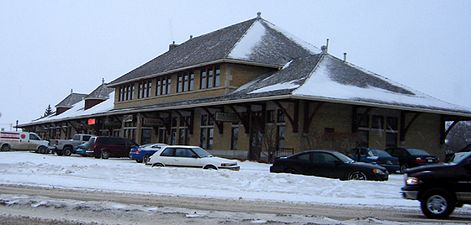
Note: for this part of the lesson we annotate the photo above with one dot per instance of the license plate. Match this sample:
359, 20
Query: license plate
430, 160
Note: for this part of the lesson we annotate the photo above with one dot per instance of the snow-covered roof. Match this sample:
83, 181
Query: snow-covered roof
71, 100
322, 77
77, 111
254, 41
101, 92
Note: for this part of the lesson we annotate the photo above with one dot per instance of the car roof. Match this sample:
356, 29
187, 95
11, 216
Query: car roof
182, 146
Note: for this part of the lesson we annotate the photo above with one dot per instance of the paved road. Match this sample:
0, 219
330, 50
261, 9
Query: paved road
341, 213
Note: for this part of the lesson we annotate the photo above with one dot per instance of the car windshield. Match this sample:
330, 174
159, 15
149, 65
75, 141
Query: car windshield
416, 152
343, 157
201, 152
460, 156
380, 153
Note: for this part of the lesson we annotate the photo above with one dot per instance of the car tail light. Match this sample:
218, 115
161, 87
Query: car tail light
138, 151
419, 160
93, 147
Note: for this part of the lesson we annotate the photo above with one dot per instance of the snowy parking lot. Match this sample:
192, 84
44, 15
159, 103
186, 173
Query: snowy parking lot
252, 182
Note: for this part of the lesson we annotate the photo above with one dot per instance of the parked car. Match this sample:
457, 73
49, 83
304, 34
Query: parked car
440, 187
105, 147
17, 140
412, 157
190, 156
142, 153
67, 147
331, 164
376, 156
450, 154
84, 149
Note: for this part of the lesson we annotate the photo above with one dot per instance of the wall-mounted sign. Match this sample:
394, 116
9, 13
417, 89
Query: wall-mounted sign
152, 122
128, 118
91, 121
226, 117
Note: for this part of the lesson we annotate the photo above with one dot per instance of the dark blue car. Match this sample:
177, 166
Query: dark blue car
142, 153
376, 156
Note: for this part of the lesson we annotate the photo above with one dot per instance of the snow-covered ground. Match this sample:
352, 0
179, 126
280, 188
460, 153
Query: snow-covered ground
252, 182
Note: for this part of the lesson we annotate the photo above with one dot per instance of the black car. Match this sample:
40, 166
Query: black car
376, 156
331, 164
440, 187
412, 157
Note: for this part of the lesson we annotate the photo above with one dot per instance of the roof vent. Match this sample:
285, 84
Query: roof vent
259, 15
324, 49
71, 91
191, 36
345, 57
102, 80
172, 46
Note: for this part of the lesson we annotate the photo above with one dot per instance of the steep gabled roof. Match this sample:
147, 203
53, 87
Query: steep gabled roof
254, 41
71, 99
101, 92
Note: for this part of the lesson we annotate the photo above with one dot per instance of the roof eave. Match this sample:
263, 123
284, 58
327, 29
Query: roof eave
380, 105
228, 60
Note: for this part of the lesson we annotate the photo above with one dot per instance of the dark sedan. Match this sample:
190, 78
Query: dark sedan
376, 156
412, 157
331, 164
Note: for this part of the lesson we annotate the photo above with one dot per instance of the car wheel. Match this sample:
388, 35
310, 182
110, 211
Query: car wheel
138, 161
5, 148
357, 175
437, 204
60, 153
157, 165
403, 168
42, 150
105, 155
67, 151
146, 159
210, 167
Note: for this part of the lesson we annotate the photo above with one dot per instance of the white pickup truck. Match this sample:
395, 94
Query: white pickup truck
22, 141
67, 147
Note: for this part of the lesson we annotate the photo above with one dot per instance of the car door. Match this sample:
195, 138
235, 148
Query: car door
463, 186
185, 157
325, 165
34, 141
300, 163
167, 157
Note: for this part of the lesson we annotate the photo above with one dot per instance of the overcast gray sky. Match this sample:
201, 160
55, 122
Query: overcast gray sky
49, 47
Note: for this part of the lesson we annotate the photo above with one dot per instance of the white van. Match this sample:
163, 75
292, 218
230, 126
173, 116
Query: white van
22, 141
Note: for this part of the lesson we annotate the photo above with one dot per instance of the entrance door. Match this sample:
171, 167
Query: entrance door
256, 135
146, 136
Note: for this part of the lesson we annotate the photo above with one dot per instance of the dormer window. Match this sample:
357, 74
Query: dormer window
163, 86
144, 89
126, 92
186, 81
210, 77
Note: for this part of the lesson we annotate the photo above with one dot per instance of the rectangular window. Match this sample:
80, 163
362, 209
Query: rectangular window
377, 122
363, 120
363, 138
162, 135
235, 138
217, 77
169, 86
391, 140
186, 82
173, 136
192, 82
163, 86
182, 136
179, 83
281, 136
280, 116
391, 123
203, 81
270, 114
210, 78
158, 90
